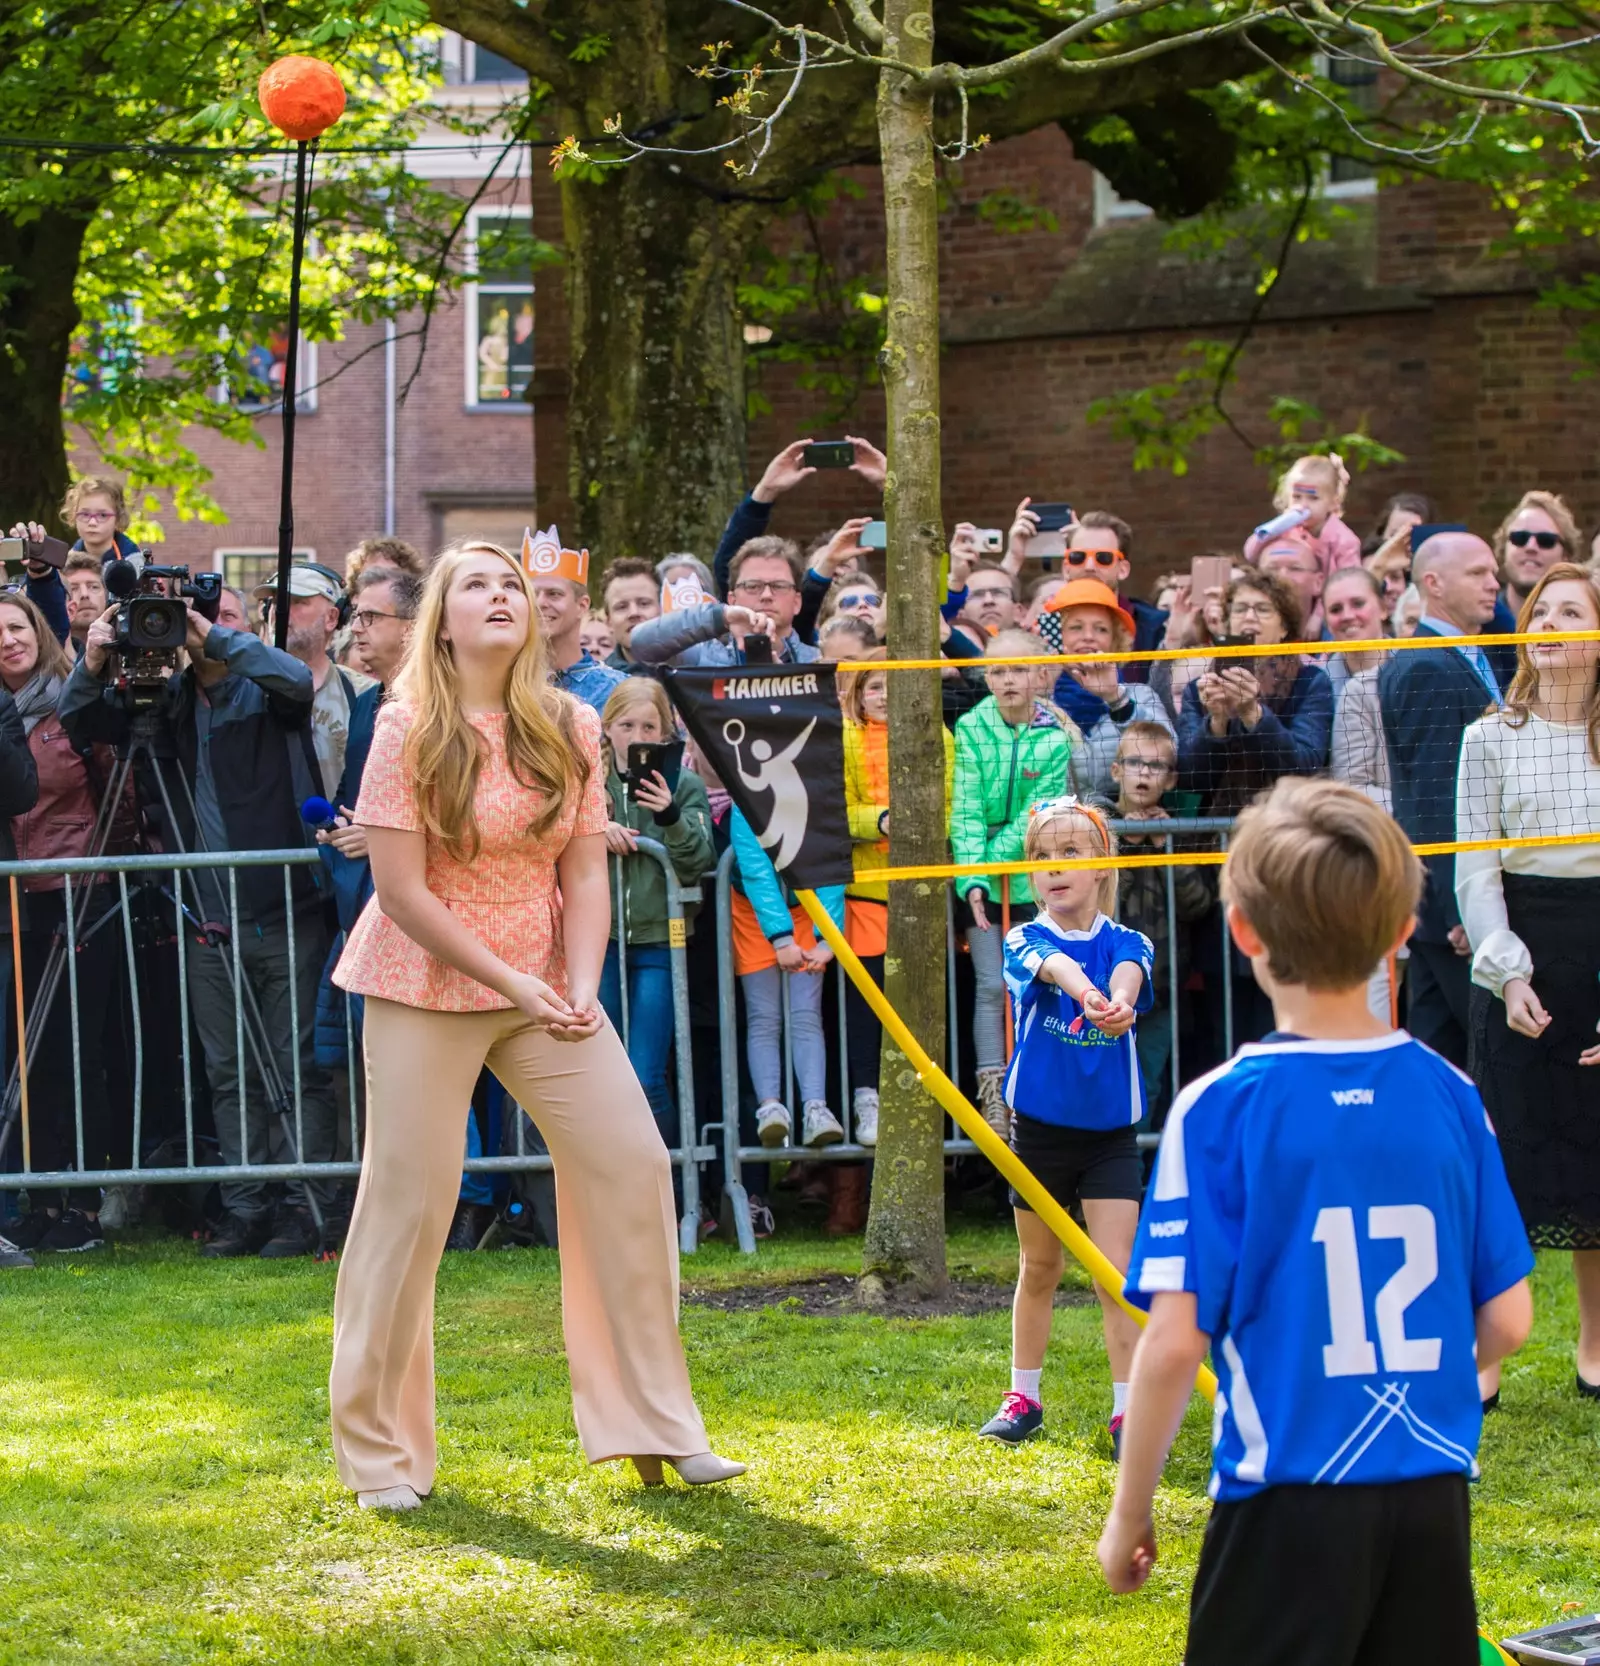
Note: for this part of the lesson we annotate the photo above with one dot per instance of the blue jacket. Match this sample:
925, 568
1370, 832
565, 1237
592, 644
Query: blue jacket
1293, 738
352, 876
766, 893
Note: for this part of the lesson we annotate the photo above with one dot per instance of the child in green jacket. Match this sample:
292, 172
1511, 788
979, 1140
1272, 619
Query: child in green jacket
1012, 750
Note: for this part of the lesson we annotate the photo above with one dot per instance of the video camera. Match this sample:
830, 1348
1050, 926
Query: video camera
152, 623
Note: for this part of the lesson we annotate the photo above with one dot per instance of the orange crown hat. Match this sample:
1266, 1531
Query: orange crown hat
679, 594
1089, 592
543, 557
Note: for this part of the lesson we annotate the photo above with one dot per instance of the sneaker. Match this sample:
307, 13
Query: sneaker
761, 1222
773, 1122
1017, 1420
122, 1207
467, 1229
1114, 1429
240, 1235
992, 1101
709, 1224
33, 1226
295, 1233
864, 1113
820, 1126
11, 1256
72, 1231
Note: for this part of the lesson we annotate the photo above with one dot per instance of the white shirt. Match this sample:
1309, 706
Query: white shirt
1515, 783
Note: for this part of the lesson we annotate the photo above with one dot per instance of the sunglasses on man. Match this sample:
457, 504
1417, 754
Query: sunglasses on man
1101, 558
1545, 540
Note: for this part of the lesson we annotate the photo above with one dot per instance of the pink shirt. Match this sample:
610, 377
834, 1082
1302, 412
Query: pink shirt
507, 895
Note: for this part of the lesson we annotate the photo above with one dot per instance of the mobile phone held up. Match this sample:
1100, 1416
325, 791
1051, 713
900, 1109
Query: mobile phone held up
1244, 662
664, 758
1053, 517
874, 536
829, 454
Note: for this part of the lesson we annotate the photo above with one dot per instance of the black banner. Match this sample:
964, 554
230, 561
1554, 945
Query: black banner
775, 736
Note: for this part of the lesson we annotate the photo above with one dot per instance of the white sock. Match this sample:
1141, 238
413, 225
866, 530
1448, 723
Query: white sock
1026, 1382
1119, 1399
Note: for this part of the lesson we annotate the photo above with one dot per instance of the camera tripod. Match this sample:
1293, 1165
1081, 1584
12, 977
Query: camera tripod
147, 742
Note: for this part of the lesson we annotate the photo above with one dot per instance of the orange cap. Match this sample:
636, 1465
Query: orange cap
543, 557
1089, 592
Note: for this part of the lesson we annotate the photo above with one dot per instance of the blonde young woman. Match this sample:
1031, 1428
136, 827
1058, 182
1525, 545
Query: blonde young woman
485, 810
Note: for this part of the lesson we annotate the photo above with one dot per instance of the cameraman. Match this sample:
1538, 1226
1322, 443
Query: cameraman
238, 721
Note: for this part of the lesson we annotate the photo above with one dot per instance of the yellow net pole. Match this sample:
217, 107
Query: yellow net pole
950, 1098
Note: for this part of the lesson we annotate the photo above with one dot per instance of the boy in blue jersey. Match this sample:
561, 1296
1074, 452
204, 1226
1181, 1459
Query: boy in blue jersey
1074, 1090
1330, 1216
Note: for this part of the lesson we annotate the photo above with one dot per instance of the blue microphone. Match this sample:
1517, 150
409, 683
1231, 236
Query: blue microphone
318, 814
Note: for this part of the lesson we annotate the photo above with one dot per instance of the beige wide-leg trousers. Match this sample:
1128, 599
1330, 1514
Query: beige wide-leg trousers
619, 1254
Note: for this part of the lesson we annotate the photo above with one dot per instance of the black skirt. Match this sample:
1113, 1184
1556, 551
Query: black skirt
1545, 1105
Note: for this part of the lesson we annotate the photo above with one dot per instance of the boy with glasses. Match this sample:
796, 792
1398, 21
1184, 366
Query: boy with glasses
1537, 534
763, 600
1146, 767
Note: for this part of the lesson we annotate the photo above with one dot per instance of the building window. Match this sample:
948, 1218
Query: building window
500, 309
1347, 175
463, 62
483, 65
104, 354
245, 568
256, 369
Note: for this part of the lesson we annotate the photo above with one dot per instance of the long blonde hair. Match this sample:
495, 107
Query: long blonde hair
1044, 818
1518, 704
631, 692
444, 753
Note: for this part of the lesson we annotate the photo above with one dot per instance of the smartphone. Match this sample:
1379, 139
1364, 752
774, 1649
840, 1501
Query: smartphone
1248, 640
758, 650
13, 551
874, 535
829, 454
1209, 572
1052, 516
1048, 546
663, 758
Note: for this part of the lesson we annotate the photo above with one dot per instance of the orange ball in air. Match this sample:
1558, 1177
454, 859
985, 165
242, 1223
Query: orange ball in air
301, 97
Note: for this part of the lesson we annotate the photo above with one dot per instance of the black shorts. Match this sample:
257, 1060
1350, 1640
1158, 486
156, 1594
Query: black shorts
1338, 1576
1076, 1163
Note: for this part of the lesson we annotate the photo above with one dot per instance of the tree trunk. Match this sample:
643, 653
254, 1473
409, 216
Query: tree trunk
38, 314
905, 1231
655, 411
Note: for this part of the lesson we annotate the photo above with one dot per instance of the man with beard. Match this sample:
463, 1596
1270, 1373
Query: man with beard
316, 603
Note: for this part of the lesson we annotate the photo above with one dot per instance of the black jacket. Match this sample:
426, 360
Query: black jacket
19, 788
262, 758
1428, 697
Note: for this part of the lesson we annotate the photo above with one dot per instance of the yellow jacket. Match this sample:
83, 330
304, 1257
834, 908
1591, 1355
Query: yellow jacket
866, 785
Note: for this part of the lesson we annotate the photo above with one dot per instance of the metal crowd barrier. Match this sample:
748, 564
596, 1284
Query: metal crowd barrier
694, 1146
187, 911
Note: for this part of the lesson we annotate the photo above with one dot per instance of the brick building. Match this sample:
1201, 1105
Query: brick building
1401, 319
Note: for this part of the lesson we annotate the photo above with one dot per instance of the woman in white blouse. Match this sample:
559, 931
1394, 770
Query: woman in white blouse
1532, 917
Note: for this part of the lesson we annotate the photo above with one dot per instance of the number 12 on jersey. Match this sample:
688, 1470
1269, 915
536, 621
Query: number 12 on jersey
1351, 1353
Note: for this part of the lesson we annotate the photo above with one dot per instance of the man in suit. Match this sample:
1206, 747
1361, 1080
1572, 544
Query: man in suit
1428, 697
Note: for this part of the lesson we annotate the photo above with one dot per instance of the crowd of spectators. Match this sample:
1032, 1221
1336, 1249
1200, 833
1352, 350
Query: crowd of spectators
251, 732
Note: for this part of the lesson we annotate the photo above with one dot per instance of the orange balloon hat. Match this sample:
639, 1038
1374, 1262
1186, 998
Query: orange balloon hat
301, 97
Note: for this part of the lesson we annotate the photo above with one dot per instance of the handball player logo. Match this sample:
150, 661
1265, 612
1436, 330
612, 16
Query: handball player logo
780, 776
774, 736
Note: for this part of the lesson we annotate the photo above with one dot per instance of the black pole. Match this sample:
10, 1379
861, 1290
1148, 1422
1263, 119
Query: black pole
291, 365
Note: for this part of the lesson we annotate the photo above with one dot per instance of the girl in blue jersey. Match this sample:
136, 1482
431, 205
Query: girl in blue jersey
1078, 979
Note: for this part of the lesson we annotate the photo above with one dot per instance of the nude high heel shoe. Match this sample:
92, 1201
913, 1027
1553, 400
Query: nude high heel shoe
390, 1498
701, 1469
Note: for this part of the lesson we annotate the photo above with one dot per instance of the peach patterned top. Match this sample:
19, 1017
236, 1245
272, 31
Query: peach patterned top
508, 895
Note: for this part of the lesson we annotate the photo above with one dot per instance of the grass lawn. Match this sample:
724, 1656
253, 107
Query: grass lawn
166, 1493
